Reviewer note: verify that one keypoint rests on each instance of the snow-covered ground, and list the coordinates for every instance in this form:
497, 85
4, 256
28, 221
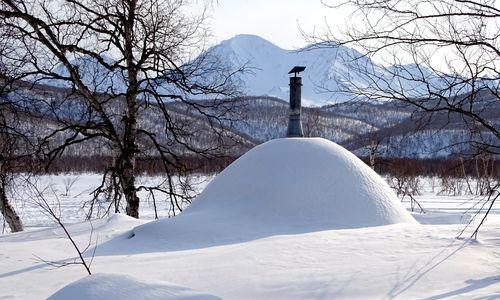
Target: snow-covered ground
396, 261
441, 209
72, 193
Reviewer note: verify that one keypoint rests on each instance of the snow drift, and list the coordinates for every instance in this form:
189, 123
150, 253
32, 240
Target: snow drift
302, 181
283, 186
119, 287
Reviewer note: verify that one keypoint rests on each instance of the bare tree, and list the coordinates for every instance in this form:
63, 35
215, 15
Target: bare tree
129, 67
8, 157
406, 183
443, 56
312, 122
68, 184
54, 212
373, 152
14, 142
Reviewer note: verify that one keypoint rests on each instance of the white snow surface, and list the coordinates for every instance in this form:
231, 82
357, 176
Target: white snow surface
283, 186
401, 261
104, 286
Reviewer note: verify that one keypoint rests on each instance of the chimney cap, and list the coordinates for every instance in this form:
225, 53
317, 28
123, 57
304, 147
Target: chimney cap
296, 70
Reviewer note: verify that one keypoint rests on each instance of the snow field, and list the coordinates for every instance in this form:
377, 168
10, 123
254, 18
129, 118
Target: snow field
250, 236
401, 261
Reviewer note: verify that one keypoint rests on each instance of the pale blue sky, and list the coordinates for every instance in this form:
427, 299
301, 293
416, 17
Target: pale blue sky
274, 20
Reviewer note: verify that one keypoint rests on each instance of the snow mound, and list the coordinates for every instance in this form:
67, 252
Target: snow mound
306, 181
284, 186
115, 286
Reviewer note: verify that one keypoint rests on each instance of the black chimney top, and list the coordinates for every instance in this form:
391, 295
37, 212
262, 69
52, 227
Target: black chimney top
296, 70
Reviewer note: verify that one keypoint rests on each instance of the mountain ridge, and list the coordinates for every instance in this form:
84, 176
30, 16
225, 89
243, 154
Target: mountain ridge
269, 65
329, 71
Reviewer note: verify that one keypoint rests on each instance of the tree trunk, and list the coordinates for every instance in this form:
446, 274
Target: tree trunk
130, 148
8, 212
128, 184
373, 153
129, 151
128, 158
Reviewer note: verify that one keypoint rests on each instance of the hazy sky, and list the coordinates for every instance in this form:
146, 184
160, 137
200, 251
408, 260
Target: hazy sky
274, 20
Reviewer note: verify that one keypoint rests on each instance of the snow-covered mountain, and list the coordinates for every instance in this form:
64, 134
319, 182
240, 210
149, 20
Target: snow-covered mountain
267, 67
329, 74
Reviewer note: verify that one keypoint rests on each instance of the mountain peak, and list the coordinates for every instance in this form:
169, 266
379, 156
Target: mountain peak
249, 41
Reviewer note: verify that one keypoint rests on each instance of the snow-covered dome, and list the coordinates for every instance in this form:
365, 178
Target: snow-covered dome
283, 186
302, 180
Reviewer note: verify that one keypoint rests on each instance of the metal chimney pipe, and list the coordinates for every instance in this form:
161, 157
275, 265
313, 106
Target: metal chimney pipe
294, 122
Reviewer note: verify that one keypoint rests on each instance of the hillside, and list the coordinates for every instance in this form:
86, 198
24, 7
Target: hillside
247, 121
